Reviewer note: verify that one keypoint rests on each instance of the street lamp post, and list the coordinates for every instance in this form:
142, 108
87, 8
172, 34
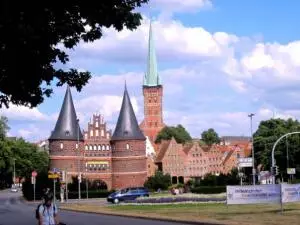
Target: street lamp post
252, 146
78, 149
14, 172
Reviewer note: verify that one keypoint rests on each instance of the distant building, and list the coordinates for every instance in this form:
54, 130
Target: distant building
231, 140
192, 160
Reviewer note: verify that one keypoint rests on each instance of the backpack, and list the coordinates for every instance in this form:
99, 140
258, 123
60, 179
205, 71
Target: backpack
37, 211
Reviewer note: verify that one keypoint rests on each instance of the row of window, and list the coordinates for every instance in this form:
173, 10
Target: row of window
96, 134
95, 167
95, 147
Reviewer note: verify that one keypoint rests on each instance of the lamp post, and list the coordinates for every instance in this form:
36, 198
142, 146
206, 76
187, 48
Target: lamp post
252, 146
78, 149
14, 172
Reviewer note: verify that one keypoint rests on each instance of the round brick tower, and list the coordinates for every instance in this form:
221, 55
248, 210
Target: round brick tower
129, 161
66, 140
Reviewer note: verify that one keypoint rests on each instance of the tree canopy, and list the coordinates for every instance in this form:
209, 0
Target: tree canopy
265, 137
210, 137
35, 35
26, 155
180, 134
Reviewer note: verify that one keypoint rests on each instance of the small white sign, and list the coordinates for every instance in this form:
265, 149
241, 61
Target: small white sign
245, 162
291, 170
32, 180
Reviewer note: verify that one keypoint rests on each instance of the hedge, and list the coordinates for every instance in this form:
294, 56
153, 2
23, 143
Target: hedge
209, 189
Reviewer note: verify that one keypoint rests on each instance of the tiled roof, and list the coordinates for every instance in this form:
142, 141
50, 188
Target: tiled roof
162, 150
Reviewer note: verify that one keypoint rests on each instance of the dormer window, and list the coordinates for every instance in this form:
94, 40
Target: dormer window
61, 145
127, 146
125, 133
67, 133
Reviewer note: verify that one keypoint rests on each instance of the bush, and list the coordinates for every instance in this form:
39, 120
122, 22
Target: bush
209, 189
159, 180
173, 200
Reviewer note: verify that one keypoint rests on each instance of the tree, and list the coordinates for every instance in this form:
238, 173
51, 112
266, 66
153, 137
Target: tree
179, 133
3, 127
159, 180
210, 137
35, 35
266, 135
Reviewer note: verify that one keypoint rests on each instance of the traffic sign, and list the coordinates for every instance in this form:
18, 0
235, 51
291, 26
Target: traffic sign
53, 176
34, 173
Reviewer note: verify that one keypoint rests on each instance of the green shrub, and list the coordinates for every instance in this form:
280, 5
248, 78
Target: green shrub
159, 180
209, 189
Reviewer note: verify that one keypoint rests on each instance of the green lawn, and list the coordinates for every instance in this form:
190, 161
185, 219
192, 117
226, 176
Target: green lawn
206, 212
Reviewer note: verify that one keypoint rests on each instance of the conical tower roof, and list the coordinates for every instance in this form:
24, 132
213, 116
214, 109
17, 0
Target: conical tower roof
152, 77
67, 127
127, 127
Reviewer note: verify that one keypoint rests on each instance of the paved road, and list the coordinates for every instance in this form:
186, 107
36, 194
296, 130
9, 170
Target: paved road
15, 212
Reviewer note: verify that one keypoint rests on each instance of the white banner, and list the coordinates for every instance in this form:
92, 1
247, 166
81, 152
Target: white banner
254, 194
290, 192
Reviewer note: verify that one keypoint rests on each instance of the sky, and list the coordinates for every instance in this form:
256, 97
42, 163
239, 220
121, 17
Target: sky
218, 61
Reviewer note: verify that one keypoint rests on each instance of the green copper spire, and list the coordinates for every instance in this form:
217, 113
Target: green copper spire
151, 77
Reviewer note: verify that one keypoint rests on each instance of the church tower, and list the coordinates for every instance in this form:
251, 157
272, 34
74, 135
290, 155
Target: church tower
153, 95
129, 162
66, 141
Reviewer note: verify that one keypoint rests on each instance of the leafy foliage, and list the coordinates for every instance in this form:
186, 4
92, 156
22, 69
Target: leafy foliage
26, 155
179, 133
210, 137
159, 180
35, 36
265, 137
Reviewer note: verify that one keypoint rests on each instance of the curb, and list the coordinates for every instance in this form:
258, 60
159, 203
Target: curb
146, 218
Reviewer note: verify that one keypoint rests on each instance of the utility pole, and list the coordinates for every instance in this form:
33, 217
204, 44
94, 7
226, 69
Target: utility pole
252, 146
78, 149
14, 172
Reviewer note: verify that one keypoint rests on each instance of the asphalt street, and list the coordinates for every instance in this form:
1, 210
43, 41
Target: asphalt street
14, 211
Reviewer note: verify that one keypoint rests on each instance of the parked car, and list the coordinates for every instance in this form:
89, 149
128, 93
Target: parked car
128, 194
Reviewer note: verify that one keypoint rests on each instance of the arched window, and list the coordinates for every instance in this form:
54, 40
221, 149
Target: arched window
91, 133
97, 124
107, 135
61, 145
107, 147
76, 145
102, 133
97, 133
91, 147
95, 147
103, 147
127, 146
86, 147
99, 147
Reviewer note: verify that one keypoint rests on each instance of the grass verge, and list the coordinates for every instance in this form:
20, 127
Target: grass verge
213, 213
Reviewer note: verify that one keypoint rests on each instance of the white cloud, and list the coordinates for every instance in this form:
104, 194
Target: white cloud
173, 40
24, 113
180, 6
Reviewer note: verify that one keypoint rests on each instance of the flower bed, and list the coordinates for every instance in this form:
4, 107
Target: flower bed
175, 200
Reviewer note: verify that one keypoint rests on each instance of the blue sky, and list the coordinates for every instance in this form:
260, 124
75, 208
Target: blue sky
218, 61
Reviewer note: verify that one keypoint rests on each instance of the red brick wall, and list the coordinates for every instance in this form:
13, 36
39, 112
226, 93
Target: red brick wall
129, 165
153, 116
120, 181
57, 159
